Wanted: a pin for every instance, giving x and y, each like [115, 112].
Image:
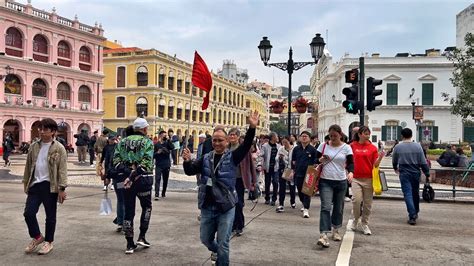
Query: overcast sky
[232, 29]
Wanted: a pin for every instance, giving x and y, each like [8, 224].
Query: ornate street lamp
[317, 48]
[8, 71]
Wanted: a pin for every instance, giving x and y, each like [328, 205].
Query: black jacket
[162, 159]
[82, 139]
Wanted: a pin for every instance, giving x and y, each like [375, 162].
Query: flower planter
[301, 109]
[277, 110]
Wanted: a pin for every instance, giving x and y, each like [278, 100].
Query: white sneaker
[92, 165]
[335, 235]
[354, 225]
[280, 209]
[111, 187]
[302, 209]
[347, 199]
[305, 213]
[323, 241]
[366, 230]
[105, 188]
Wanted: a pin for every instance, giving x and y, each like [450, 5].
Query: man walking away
[45, 182]
[92, 142]
[81, 144]
[134, 154]
[270, 166]
[407, 160]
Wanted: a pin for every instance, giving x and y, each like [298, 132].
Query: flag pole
[190, 116]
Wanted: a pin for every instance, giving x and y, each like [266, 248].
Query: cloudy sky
[232, 29]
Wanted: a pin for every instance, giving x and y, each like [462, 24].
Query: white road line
[344, 256]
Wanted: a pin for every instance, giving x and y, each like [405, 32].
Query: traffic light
[372, 93]
[352, 93]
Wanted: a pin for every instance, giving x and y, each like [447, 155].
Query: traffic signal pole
[361, 90]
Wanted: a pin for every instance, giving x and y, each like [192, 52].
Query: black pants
[239, 220]
[174, 156]
[91, 156]
[271, 178]
[305, 199]
[130, 196]
[161, 172]
[37, 194]
[282, 191]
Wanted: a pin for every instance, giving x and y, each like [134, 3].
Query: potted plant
[277, 106]
[301, 104]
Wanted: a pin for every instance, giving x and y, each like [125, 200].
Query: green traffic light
[350, 107]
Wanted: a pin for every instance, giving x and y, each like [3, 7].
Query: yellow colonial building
[158, 86]
[255, 101]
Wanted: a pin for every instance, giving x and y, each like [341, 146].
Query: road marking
[344, 256]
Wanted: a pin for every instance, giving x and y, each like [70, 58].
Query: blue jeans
[410, 184]
[214, 221]
[120, 203]
[332, 194]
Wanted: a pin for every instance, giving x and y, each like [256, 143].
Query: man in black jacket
[161, 155]
[81, 143]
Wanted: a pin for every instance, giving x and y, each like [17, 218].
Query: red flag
[202, 78]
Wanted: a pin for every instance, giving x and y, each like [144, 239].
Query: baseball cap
[112, 136]
[202, 135]
[140, 123]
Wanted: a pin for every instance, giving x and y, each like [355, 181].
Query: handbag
[287, 174]
[311, 180]
[376, 184]
[428, 193]
[383, 180]
[105, 205]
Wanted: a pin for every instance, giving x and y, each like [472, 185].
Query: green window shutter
[384, 133]
[399, 133]
[392, 94]
[427, 94]
[435, 134]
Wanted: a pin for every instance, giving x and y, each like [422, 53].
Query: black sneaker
[119, 229]
[213, 258]
[239, 232]
[267, 202]
[130, 248]
[142, 242]
[412, 221]
[272, 203]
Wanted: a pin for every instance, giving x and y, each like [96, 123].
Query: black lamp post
[317, 48]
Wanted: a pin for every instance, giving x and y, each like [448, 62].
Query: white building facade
[420, 80]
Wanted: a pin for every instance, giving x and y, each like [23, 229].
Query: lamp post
[413, 102]
[317, 48]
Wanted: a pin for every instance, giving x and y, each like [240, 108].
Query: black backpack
[454, 161]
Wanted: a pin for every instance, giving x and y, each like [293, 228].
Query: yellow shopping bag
[376, 184]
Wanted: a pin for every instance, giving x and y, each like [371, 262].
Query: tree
[463, 79]
[280, 128]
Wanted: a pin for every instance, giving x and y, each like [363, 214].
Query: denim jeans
[239, 220]
[40, 194]
[410, 184]
[332, 194]
[120, 203]
[271, 178]
[214, 221]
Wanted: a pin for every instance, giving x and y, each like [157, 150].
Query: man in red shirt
[366, 158]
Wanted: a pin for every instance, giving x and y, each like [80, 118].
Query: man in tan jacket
[45, 182]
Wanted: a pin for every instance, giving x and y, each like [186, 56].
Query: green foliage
[463, 79]
[280, 128]
[440, 151]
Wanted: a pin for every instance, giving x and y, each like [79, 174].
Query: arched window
[220, 95]
[142, 76]
[84, 55]
[219, 117]
[64, 54]
[121, 77]
[233, 99]
[84, 59]
[64, 91]
[12, 84]
[238, 100]
[121, 107]
[225, 96]
[39, 88]
[214, 93]
[214, 116]
[40, 48]
[14, 42]
[171, 81]
[142, 106]
[84, 94]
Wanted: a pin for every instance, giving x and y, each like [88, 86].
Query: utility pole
[361, 90]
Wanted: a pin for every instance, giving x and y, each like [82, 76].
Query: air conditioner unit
[62, 104]
[46, 103]
[19, 100]
[85, 106]
[8, 99]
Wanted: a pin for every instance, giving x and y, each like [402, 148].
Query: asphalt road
[444, 234]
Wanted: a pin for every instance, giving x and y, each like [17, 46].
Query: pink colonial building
[50, 66]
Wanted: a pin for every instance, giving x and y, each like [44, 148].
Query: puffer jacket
[57, 165]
